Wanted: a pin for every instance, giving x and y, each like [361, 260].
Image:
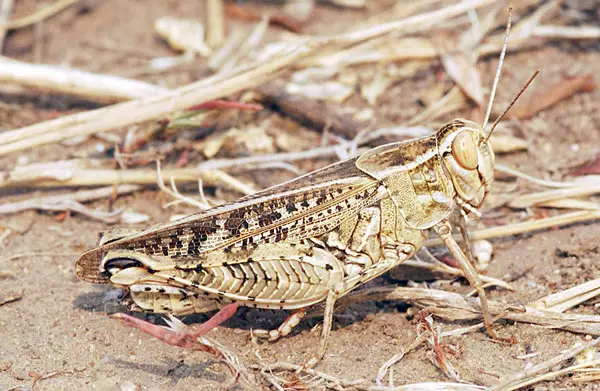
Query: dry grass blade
[39, 15]
[523, 31]
[521, 379]
[383, 50]
[513, 172]
[94, 87]
[570, 203]
[439, 359]
[532, 199]
[249, 44]
[343, 150]
[5, 10]
[569, 298]
[418, 270]
[183, 34]
[593, 365]
[215, 18]
[349, 3]
[527, 226]
[70, 173]
[455, 307]
[567, 32]
[416, 23]
[227, 50]
[387, 365]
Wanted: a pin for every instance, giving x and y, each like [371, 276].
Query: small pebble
[22, 160]
[128, 386]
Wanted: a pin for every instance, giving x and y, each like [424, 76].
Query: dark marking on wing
[305, 207]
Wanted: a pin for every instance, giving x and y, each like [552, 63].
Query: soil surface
[60, 325]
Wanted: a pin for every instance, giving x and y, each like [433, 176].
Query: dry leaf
[249, 141]
[545, 99]
[183, 34]
[300, 10]
[502, 143]
[238, 12]
[461, 68]
[589, 168]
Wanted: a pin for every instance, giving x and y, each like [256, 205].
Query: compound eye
[464, 150]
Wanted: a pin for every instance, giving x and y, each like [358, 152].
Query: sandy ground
[60, 325]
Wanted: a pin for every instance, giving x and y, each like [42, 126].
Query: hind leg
[186, 338]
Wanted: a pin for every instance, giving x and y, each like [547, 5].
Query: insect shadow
[108, 300]
[177, 370]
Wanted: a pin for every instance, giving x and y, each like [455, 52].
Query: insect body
[309, 240]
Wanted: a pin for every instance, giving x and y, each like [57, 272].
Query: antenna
[512, 103]
[499, 69]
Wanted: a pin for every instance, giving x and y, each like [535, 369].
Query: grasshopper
[312, 239]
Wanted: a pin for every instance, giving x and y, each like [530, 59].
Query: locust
[312, 239]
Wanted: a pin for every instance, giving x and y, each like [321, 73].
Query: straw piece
[80, 196]
[39, 15]
[5, 10]
[526, 226]
[69, 173]
[91, 86]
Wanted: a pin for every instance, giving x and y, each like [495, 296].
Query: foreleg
[444, 230]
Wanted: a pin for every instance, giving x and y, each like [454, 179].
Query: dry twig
[9, 297]
[308, 112]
